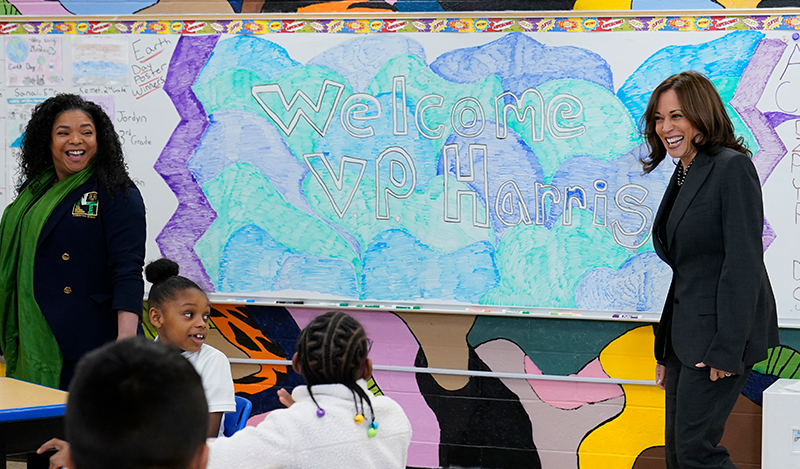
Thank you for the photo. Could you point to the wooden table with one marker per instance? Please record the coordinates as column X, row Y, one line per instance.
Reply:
column 29, row 415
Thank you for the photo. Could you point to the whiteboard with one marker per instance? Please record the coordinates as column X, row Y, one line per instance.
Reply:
column 438, row 166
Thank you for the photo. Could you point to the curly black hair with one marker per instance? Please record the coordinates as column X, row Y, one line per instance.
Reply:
column 36, row 157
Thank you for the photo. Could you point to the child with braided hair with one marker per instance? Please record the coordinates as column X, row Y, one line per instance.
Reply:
column 332, row 422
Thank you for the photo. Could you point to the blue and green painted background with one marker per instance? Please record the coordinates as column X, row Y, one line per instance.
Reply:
column 483, row 177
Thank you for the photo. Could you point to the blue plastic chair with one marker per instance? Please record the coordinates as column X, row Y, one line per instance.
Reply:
column 235, row 421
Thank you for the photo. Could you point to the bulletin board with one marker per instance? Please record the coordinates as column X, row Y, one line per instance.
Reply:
column 460, row 164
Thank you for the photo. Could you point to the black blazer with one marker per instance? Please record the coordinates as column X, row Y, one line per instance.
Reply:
column 89, row 265
column 720, row 309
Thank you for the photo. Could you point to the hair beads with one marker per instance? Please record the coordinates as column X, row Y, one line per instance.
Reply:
column 333, row 349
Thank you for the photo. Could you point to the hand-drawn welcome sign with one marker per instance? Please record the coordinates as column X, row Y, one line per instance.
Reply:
column 494, row 168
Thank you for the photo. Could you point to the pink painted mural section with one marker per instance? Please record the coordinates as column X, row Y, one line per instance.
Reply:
column 557, row 431
column 395, row 345
column 40, row 8
column 566, row 395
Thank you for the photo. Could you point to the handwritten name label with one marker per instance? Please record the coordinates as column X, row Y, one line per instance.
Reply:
column 132, row 117
column 41, row 92
column 103, row 89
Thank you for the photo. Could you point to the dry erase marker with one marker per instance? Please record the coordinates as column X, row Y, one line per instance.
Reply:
column 479, row 310
column 625, row 316
column 240, row 300
column 281, row 302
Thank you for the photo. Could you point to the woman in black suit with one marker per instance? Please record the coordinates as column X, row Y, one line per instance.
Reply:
column 71, row 244
column 719, row 317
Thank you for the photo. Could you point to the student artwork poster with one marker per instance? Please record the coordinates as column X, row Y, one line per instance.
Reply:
column 436, row 168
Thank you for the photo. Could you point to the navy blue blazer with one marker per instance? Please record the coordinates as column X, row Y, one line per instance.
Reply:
column 89, row 265
column 720, row 309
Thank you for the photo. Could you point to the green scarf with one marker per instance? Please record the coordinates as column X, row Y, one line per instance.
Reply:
column 29, row 346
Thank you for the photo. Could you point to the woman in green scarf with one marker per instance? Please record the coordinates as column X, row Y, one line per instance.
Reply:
column 71, row 244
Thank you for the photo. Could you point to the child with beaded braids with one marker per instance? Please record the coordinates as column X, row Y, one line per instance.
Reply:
column 332, row 422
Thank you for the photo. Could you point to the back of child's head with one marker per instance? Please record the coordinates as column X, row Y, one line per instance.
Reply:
column 135, row 404
column 333, row 349
column 167, row 284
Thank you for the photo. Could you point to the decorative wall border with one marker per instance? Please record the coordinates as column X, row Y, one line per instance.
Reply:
column 425, row 25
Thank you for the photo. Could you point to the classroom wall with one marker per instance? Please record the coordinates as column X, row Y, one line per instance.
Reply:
column 469, row 421
column 151, row 7
column 505, row 423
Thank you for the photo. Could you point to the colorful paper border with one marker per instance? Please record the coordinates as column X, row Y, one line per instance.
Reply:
column 426, row 25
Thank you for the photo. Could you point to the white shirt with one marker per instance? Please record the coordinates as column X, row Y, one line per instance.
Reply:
column 215, row 372
column 295, row 438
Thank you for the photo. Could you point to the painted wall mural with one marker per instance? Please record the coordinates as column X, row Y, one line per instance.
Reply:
column 481, row 177
column 145, row 7
column 436, row 162
column 321, row 232
column 502, row 422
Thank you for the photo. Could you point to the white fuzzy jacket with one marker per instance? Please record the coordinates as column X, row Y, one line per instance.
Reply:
column 297, row 438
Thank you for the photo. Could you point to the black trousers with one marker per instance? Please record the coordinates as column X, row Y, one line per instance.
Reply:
column 697, row 409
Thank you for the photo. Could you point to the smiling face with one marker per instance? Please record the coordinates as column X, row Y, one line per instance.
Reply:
column 674, row 129
column 182, row 322
column 73, row 142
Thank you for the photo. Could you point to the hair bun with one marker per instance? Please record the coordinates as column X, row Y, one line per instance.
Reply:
column 160, row 270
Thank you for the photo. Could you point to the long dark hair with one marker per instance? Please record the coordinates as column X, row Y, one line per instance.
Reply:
column 333, row 349
column 702, row 106
column 36, row 157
